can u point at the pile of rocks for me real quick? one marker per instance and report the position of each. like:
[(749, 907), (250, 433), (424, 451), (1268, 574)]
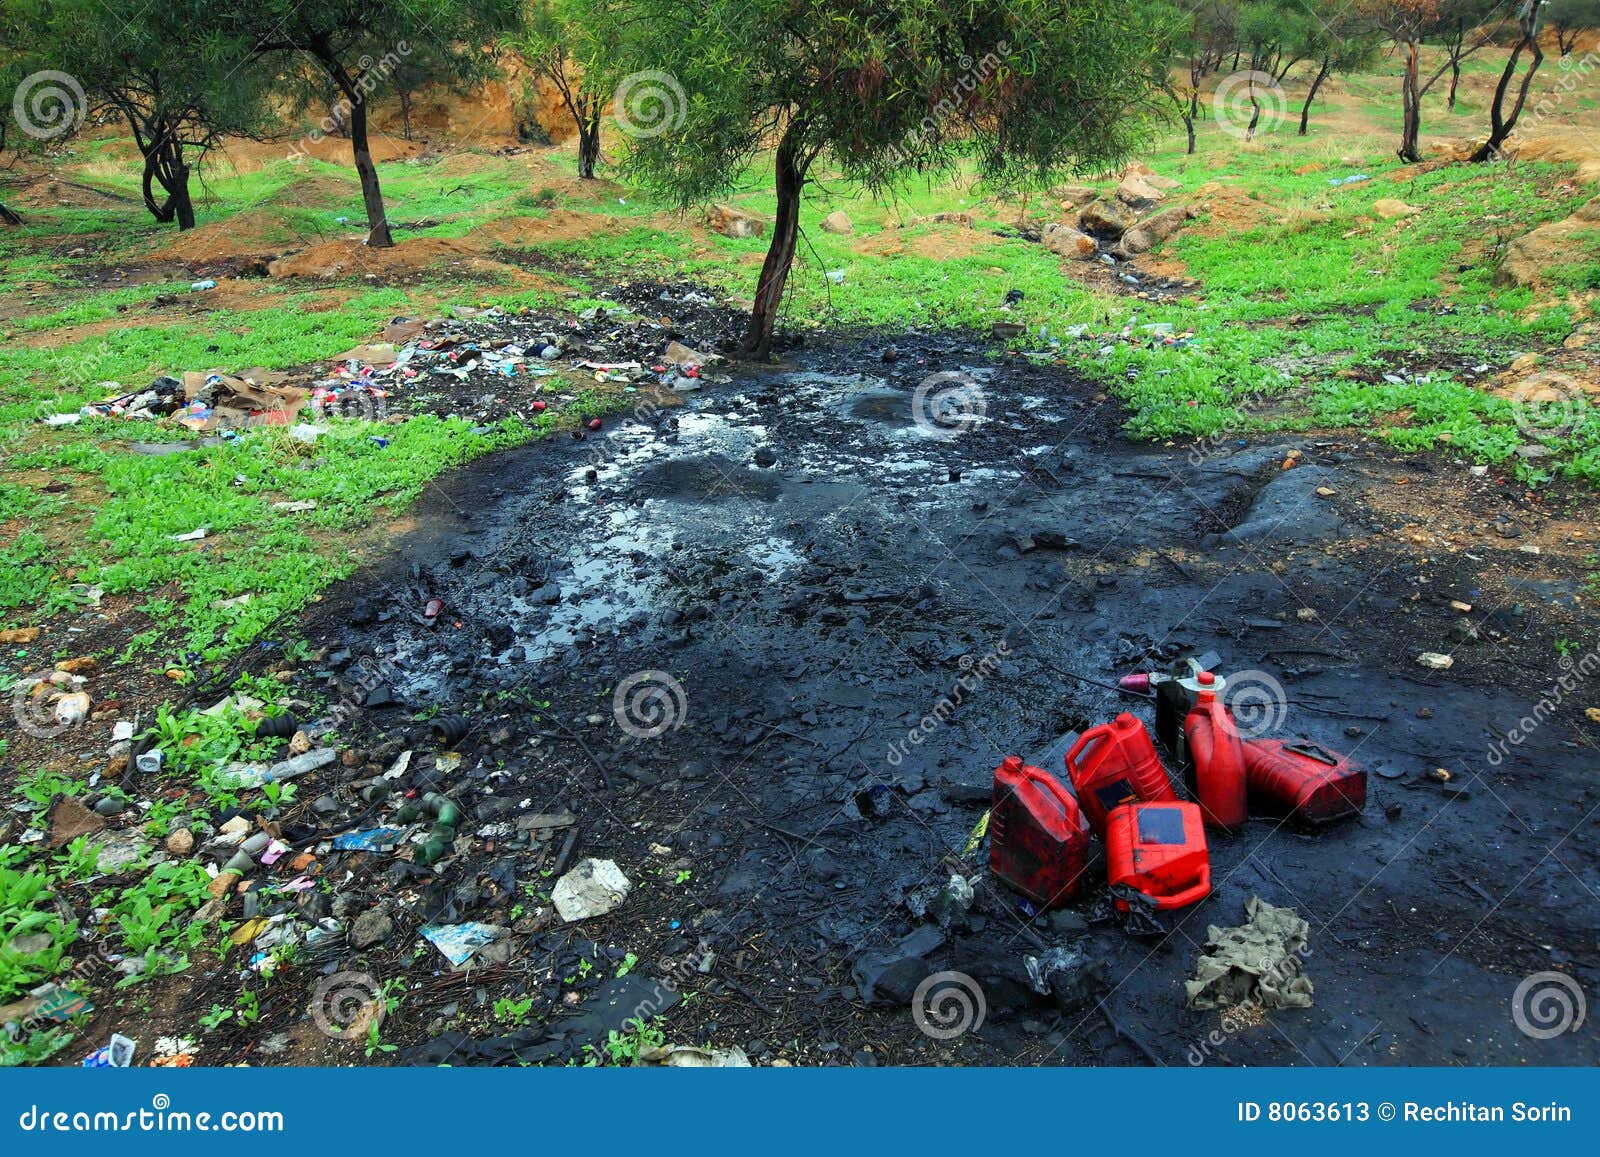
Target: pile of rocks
[(1126, 223)]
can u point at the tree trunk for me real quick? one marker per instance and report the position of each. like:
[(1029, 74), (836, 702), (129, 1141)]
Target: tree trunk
[(181, 201), (1411, 100), (1305, 109), (1501, 123), (791, 165), (589, 140), (405, 113), (378, 235), (1455, 81), (162, 211), (1255, 111), (8, 217), (1193, 111), (1566, 41)]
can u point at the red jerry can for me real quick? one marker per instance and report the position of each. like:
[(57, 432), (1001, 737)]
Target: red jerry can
[(1037, 843), (1113, 764), (1159, 849), (1217, 779), (1304, 780)]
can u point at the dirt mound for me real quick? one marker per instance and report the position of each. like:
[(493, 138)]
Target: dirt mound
[(346, 258), (938, 243), (529, 232), (48, 192), (1226, 211), (1559, 243), (251, 156), (255, 232)]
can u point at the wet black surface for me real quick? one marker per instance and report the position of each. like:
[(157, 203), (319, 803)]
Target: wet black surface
[(816, 611)]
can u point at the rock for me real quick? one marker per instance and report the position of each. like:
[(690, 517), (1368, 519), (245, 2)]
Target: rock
[(736, 223), (592, 888), (1077, 196), (1101, 218), (69, 819), (299, 743), (27, 945), (370, 928), (838, 222), (1132, 243), (180, 842), (1138, 193), (85, 666), (1434, 661), (1069, 242), (1554, 244), (962, 219), (1392, 209), (766, 456), (1166, 223), (109, 806), (19, 635), (891, 977)]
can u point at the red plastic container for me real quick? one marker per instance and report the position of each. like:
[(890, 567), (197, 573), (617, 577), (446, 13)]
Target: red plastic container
[(1037, 843), (1304, 780), (1113, 764), (1217, 780), (1159, 849)]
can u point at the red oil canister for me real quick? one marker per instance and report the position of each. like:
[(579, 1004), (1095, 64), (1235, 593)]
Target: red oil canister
[(1037, 843), (1159, 849), (1217, 780), (1304, 780), (1113, 764)]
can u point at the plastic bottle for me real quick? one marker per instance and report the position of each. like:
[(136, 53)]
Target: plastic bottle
[(1113, 764), (1037, 844), (1217, 780)]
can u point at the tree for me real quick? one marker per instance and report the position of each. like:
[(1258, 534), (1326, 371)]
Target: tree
[(174, 72), (1347, 43), (360, 44), (1463, 27), (1025, 89), (1200, 33), (1567, 18), (1501, 121), (1410, 23), (554, 30)]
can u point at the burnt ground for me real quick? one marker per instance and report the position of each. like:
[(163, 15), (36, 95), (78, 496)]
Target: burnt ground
[(815, 611)]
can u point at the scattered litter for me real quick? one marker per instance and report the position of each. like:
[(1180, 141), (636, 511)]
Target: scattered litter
[(690, 1057), (461, 942), (192, 535), (371, 840), (592, 888)]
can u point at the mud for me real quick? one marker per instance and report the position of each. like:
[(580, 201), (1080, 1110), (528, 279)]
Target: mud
[(864, 627)]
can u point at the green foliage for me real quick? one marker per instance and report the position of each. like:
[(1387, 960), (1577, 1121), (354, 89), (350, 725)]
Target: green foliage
[(26, 909)]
